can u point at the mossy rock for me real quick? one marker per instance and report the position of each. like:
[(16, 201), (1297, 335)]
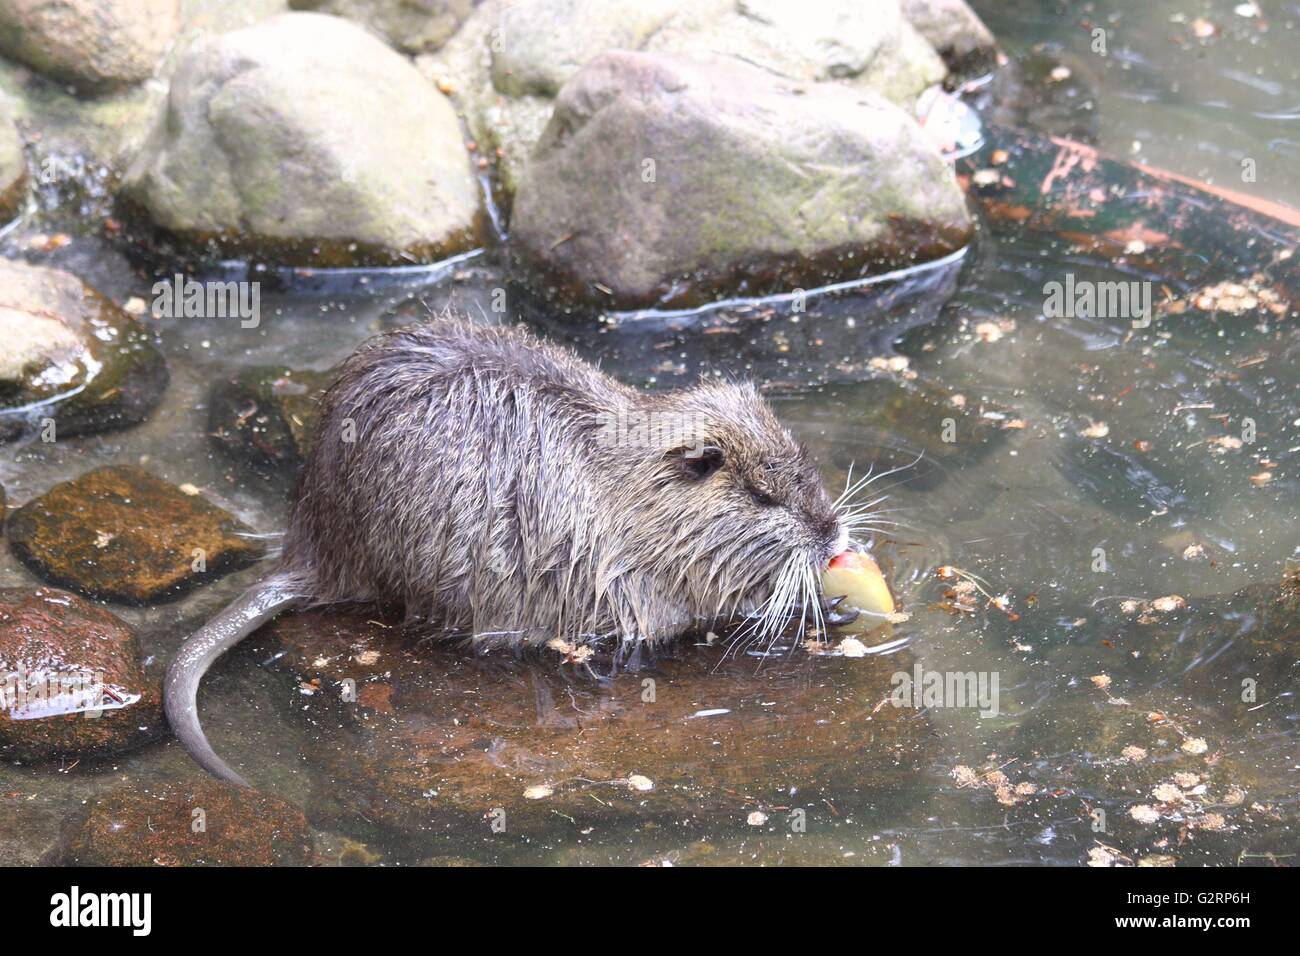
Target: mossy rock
[(195, 823), (72, 358), (743, 183), (380, 173), (509, 59), (13, 166), (122, 534), (412, 27), (96, 46)]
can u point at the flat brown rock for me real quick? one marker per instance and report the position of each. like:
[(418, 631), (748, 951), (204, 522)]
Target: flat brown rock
[(439, 737), (121, 534), (197, 823), (72, 680)]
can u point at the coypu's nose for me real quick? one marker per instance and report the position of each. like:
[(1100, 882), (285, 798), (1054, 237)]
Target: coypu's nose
[(835, 536)]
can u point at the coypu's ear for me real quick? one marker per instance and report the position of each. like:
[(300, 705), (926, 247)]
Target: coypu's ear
[(696, 462)]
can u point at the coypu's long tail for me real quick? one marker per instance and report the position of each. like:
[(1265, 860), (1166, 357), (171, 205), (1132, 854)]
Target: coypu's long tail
[(242, 617)]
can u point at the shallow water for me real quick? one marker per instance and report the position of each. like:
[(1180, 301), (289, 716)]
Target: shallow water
[(1022, 508)]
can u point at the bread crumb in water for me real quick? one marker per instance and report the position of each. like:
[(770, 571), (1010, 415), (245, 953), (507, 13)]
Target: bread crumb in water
[(1143, 813), (852, 647)]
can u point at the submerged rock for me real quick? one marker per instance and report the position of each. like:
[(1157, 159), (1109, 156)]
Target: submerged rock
[(510, 59), (96, 46), (72, 680), (263, 416), (71, 356), (738, 182), (380, 173), (416, 735), (195, 823), (13, 166), (121, 534), (1054, 93), (413, 26)]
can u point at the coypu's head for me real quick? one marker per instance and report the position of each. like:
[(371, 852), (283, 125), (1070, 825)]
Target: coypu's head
[(729, 509)]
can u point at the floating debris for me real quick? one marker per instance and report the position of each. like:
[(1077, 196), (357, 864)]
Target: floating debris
[(1096, 430), (1143, 813), (852, 647), (572, 653), (960, 597)]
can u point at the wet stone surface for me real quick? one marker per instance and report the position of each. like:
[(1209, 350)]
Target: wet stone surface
[(72, 358), (438, 737), (73, 682), (191, 823), (121, 534)]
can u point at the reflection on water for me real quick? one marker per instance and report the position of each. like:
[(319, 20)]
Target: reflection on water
[(1050, 480), (1196, 87)]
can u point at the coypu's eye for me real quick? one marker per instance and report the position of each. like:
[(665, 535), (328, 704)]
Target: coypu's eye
[(700, 463)]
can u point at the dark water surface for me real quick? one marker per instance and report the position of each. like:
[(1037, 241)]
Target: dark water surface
[(1071, 437)]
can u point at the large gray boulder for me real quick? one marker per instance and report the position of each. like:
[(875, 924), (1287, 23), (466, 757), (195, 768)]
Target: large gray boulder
[(303, 140), (13, 165), (668, 180), (413, 26), (94, 45), (511, 57)]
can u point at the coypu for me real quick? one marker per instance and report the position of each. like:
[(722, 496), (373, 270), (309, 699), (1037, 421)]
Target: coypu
[(498, 486)]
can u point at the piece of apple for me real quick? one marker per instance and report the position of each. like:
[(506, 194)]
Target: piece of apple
[(858, 578)]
